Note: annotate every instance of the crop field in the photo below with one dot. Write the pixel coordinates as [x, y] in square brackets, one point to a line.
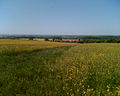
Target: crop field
[41, 68]
[16, 46]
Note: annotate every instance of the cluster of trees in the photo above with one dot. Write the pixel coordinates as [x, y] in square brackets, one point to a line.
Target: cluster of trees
[99, 37]
[90, 40]
[53, 39]
[46, 39]
[99, 41]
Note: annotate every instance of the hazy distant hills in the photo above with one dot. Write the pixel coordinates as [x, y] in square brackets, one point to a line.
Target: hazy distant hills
[99, 37]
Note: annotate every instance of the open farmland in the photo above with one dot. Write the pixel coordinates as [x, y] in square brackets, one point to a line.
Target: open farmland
[59, 69]
[16, 46]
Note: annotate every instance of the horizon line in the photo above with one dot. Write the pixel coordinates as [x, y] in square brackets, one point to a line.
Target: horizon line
[64, 34]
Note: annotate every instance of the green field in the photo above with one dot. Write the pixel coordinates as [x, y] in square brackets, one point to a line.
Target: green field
[39, 68]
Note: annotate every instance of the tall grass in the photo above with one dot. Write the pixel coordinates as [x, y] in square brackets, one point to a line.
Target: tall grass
[12, 47]
[90, 70]
[39, 69]
[28, 74]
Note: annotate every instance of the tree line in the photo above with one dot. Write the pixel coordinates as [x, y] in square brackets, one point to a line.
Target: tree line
[99, 41]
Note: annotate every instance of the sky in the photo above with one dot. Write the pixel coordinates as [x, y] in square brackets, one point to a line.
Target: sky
[60, 17]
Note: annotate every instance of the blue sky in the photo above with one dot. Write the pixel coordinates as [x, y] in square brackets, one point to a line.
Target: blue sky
[60, 17]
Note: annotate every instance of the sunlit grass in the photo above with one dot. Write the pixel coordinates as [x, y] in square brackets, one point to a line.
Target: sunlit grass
[11, 45]
[90, 70]
[68, 70]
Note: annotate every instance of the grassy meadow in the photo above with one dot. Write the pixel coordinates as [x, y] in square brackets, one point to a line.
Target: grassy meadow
[12, 46]
[41, 68]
